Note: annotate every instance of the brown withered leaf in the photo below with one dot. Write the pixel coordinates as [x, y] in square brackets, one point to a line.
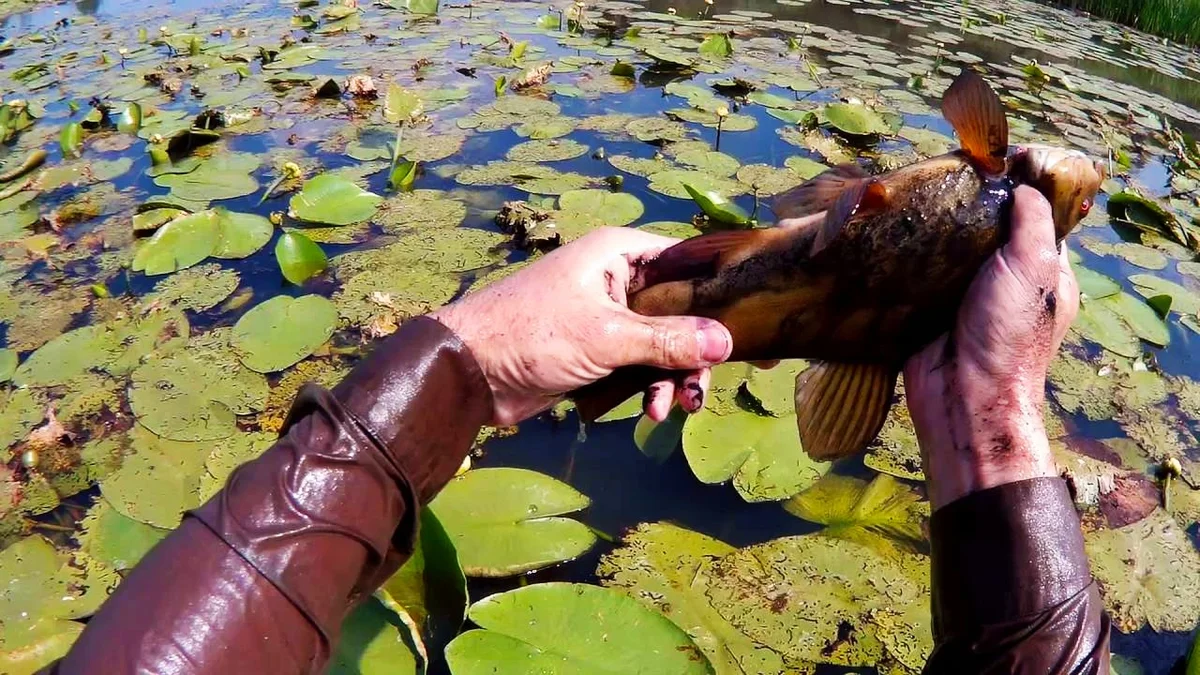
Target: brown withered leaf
[49, 435]
[532, 77]
[361, 86]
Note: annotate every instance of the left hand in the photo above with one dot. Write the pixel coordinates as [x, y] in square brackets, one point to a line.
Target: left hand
[564, 322]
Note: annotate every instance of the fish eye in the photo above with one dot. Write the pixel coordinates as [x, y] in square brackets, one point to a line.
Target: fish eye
[1085, 207]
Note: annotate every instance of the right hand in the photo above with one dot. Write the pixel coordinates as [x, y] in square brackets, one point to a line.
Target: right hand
[977, 394]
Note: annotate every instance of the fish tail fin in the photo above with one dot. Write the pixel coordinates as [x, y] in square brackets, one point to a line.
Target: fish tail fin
[977, 115]
[840, 407]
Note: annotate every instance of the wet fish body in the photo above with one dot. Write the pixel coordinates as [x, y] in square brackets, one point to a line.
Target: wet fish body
[862, 271]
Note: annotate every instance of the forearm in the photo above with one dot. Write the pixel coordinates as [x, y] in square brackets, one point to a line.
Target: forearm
[271, 565]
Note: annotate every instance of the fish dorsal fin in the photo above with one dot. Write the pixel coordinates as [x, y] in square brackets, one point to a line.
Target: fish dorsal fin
[819, 193]
[860, 197]
[697, 257]
[840, 407]
[977, 114]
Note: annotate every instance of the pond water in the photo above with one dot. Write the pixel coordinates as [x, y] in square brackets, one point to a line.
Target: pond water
[1121, 398]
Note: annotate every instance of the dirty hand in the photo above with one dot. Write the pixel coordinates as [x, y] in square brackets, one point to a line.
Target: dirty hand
[563, 322]
[976, 394]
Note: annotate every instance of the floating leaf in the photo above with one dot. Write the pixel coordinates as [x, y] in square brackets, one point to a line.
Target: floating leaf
[1149, 573]
[333, 200]
[1094, 285]
[506, 521]
[1147, 215]
[115, 539]
[1183, 300]
[546, 150]
[716, 206]
[862, 511]
[283, 331]
[71, 139]
[658, 440]
[571, 628]
[621, 69]
[612, 208]
[185, 241]
[431, 586]
[8, 364]
[195, 394]
[197, 288]
[665, 567]
[299, 258]
[224, 176]
[422, 6]
[717, 45]
[130, 120]
[855, 119]
[401, 105]
[372, 639]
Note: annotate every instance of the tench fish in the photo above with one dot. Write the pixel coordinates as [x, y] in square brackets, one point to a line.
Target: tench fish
[861, 272]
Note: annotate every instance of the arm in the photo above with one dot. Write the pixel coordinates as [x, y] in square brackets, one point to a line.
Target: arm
[1012, 592]
[271, 565]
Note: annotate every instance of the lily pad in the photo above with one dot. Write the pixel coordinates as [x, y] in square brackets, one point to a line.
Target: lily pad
[1183, 300]
[333, 200]
[508, 521]
[862, 511]
[283, 331]
[195, 394]
[768, 180]
[855, 119]
[431, 586]
[197, 288]
[659, 440]
[559, 628]
[805, 167]
[665, 567]
[117, 540]
[926, 142]
[671, 183]
[549, 150]
[373, 639]
[185, 241]
[420, 209]
[858, 607]
[8, 364]
[612, 208]
[1149, 573]
[761, 454]
[224, 176]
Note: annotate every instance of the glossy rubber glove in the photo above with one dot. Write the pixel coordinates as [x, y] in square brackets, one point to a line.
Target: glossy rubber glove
[563, 322]
[976, 394]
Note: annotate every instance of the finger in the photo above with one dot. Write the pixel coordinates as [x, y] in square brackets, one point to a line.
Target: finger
[656, 402]
[1068, 298]
[1032, 239]
[693, 389]
[670, 342]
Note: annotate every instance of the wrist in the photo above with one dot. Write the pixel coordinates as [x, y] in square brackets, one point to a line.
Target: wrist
[975, 438]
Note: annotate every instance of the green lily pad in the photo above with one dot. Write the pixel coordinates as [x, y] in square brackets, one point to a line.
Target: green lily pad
[612, 208]
[197, 288]
[895, 451]
[159, 481]
[223, 176]
[862, 511]
[186, 241]
[805, 167]
[1149, 573]
[333, 200]
[560, 628]
[115, 539]
[639, 166]
[508, 521]
[761, 454]
[717, 45]
[373, 640]
[715, 163]
[401, 105]
[299, 257]
[768, 180]
[283, 331]
[195, 393]
[1093, 284]
[858, 607]
[543, 128]
[659, 440]
[431, 586]
[665, 567]
[673, 229]
[20, 410]
[8, 364]
[549, 150]
[652, 129]
[671, 183]
[855, 119]
[1183, 300]
[926, 142]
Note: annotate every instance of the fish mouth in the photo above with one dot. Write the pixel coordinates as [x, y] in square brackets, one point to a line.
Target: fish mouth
[1068, 179]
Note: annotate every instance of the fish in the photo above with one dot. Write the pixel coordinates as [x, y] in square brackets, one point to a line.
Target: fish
[861, 271]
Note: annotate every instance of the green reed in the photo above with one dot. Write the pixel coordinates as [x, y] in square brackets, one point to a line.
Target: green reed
[1175, 19]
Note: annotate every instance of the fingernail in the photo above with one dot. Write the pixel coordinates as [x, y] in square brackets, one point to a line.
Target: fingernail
[694, 395]
[715, 343]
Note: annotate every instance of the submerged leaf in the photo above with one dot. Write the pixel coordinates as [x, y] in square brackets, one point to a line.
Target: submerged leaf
[507, 521]
[861, 511]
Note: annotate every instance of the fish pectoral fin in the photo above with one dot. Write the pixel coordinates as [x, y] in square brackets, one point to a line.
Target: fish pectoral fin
[862, 197]
[977, 114]
[698, 257]
[840, 407]
[819, 193]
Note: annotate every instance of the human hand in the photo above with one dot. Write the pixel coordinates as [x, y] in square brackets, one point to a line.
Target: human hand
[976, 394]
[563, 323]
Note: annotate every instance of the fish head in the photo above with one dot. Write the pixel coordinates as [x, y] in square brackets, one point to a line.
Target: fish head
[1067, 178]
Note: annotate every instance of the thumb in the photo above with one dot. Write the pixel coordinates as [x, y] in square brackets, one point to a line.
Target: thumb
[674, 342]
[1032, 238]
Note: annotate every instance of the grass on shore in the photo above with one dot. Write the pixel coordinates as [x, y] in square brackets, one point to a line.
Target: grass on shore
[1175, 19]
